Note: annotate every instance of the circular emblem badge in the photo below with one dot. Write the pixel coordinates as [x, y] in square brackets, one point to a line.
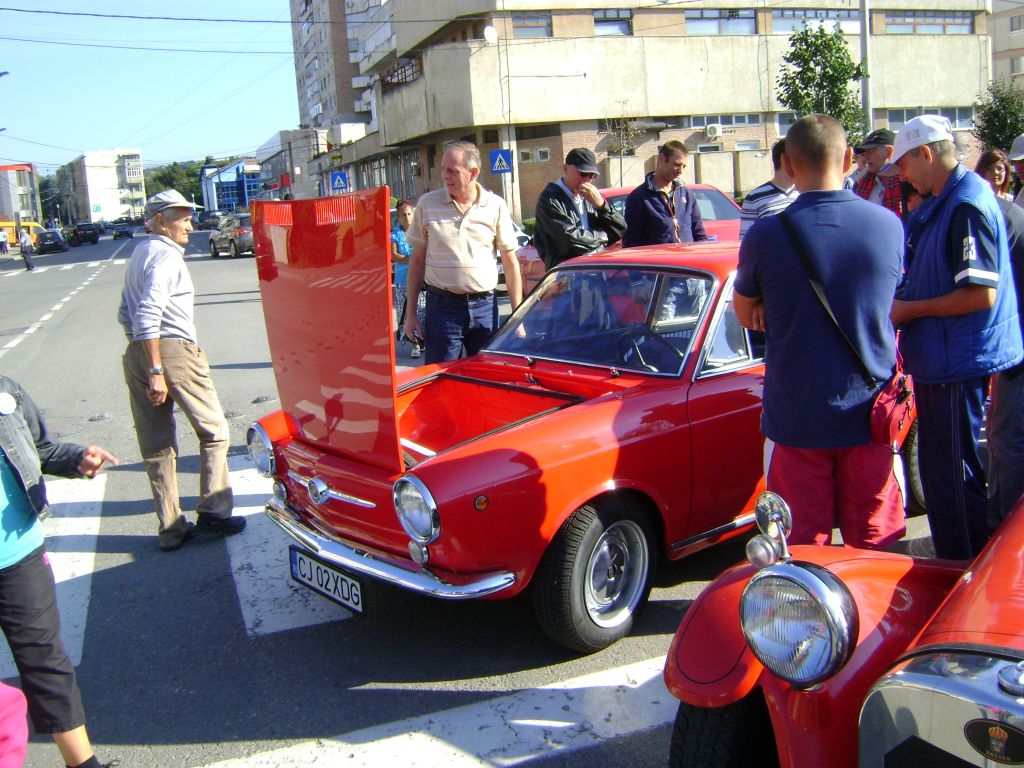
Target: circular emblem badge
[8, 404]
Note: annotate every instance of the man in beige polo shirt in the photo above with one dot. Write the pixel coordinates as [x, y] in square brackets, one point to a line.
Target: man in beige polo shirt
[454, 233]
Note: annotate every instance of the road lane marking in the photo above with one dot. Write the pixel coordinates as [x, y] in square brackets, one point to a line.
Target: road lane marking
[71, 532]
[526, 726]
[270, 601]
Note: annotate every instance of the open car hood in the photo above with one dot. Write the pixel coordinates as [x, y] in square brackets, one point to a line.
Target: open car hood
[324, 273]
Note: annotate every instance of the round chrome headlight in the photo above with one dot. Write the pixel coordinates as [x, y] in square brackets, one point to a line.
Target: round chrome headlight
[800, 621]
[416, 509]
[261, 450]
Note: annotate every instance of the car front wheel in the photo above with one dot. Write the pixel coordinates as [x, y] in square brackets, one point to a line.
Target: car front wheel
[912, 473]
[213, 250]
[733, 736]
[234, 250]
[595, 576]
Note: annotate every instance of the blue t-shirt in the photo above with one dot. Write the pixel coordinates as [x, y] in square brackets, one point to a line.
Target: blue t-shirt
[814, 394]
[404, 247]
[20, 531]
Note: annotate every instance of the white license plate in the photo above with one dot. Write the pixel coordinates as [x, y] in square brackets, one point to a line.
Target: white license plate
[325, 579]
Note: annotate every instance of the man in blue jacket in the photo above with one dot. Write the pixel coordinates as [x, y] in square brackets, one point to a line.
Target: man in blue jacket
[959, 319]
[662, 209]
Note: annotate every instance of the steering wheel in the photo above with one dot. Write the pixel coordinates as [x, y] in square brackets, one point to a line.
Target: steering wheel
[631, 338]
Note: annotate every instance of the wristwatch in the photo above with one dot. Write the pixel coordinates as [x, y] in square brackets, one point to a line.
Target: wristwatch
[156, 370]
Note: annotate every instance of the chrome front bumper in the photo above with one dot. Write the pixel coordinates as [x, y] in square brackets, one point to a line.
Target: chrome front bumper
[366, 563]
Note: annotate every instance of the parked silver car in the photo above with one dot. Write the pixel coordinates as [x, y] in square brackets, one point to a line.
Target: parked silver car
[233, 236]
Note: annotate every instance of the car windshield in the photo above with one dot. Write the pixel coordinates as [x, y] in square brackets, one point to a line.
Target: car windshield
[630, 319]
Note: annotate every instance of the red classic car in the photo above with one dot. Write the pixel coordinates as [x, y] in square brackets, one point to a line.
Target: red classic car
[613, 420]
[833, 656]
[721, 221]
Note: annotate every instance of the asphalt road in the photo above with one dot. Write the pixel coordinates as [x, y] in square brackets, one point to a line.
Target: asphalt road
[210, 654]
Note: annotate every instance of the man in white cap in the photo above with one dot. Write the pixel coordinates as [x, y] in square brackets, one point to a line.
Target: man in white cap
[164, 366]
[1016, 158]
[959, 319]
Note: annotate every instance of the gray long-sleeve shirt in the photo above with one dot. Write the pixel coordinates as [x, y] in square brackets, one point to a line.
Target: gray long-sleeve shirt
[157, 299]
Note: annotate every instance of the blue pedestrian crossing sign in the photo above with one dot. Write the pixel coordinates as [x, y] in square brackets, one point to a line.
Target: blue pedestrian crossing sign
[339, 182]
[501, 161]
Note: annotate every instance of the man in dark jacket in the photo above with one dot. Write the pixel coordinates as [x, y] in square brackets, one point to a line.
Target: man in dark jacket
[572, 217]
[662, 210]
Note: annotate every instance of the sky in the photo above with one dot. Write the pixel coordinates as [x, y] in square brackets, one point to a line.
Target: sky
[80, 83]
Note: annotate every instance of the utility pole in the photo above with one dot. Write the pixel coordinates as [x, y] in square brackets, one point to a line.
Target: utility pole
[865, 59]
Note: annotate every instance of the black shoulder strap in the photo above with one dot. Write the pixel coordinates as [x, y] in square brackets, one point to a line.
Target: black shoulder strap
[819, 291]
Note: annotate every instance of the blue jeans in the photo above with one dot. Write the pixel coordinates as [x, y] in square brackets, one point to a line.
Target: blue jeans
[949, 418]
[457, 325]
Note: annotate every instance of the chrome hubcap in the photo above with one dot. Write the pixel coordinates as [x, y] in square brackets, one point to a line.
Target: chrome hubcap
[616, 574]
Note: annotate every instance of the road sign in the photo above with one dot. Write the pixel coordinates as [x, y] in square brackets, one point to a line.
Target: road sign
[501, 161]
[339, 182]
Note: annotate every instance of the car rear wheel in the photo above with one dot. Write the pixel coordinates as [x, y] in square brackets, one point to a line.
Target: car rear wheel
[595, 576]
[213, 250]
[912, 473]
[234, 250]
[733, 736]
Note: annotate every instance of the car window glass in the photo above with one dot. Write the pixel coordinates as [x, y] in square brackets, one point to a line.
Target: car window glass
[714, 206]
[732, 345]
[634, 319]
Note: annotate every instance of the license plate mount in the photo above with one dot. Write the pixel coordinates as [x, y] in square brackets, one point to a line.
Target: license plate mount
[325, 579]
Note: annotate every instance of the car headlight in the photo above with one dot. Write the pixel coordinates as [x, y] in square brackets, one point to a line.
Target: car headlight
[416, 509]
[261, 450]
[800, 621]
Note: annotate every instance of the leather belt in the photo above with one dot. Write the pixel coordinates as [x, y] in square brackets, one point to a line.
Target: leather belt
[461, 296]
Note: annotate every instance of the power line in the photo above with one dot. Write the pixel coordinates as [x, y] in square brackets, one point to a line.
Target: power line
[289, 53]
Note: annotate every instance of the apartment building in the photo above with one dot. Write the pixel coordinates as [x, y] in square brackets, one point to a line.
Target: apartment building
[624, 77]
[103, 185]
[19, 193]
[1007, 29]
[326, 81]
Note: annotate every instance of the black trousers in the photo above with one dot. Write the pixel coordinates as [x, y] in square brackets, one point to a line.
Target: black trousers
[31, 623]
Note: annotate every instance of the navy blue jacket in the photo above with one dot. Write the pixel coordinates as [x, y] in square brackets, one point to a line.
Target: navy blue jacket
[649, 220]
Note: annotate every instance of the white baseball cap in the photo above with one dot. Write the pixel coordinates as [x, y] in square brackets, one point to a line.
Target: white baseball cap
[169, 198]
[920, 131]
[1017, 150]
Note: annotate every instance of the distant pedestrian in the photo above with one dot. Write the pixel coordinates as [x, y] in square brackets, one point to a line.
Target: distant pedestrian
[3, 241]
[454, 234]
[662, 210]
[29, 615]
[572, 218]
[820, 455]
[773, 196]
[994, 168]
[164, 366]
[27, 249]
[959, 325]
[401, 250]
[874, 186]
[858, 169]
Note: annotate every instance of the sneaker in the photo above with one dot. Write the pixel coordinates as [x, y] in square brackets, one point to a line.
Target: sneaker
[190, 533]
[415, 351]
[224, 526]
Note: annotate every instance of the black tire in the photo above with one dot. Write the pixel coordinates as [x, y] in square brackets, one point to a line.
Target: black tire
[595, 576]
[912, 473]
[734, 736]
[233, 249]
[213, 249]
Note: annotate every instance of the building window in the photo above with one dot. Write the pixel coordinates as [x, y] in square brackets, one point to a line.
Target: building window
[712, 21]
[316, 109]
[709, 147]
[526, 132]
[490, 136]
[785, 121]
[746, 118]
[929, 22]
[1017, 22]
[542, 155]
[959, 117]
[615, 21]
[531, 24]
[525, 156]
[1016, 65]
[789, 21]
[747, 145]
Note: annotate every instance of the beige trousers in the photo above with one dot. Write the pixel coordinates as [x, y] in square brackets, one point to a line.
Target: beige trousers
[190, 387]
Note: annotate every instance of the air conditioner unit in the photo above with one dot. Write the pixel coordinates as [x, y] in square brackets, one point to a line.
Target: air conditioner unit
[713, 131]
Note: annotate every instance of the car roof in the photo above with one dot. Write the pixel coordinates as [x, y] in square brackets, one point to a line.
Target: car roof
[718, 258]
[617, 191]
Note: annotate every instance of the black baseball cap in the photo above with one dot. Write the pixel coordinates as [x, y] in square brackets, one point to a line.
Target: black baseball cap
[583, 160]
[883, 137]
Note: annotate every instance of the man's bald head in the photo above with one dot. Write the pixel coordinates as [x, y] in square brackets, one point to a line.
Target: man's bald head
[817, 142]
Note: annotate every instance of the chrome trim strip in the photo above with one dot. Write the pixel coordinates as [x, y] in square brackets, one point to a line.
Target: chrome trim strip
[331, 493]
[417, 447]
[740, 522]
[365, 563]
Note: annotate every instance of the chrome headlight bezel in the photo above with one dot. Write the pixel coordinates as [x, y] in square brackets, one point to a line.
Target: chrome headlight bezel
[826, 596]
[427, 527]
[261, 450]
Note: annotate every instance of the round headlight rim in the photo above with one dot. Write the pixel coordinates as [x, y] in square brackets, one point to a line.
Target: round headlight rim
[268, 445]
[428, 499]
[836, 604]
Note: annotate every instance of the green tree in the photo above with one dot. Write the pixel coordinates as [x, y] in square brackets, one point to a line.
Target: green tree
[816, 77]
[183, 177]
[999, 115]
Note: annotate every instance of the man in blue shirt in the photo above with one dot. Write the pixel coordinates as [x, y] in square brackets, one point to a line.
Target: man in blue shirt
[959, 321]
[662, 210]
[820, 456]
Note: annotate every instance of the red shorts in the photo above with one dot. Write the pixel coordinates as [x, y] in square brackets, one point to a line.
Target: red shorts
[853, 489]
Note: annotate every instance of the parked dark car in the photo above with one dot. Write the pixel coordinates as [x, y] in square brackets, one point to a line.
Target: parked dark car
[124, 230]
[84, 232]
[51, 241]
[209, 219]
[234, 236]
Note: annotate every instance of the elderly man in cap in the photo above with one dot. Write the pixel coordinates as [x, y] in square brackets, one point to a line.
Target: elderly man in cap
[163, 366]
[873, 186]
[572, 217]
[959, 319]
